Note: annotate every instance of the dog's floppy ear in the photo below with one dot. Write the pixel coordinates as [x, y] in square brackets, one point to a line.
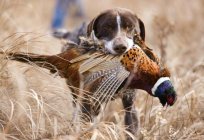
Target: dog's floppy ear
[92, 24]
[90, 27]
[142, 29]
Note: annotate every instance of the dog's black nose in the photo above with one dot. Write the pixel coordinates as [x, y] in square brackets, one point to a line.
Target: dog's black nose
[120, 48]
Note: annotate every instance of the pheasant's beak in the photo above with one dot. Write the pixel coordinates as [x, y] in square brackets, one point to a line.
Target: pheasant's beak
[165, 92]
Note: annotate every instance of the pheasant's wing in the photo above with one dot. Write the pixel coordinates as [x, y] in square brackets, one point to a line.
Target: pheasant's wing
[105, 68]
[106, 74]
[110, 84]
[91, 63]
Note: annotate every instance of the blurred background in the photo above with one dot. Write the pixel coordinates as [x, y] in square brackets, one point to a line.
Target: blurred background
[37, 105]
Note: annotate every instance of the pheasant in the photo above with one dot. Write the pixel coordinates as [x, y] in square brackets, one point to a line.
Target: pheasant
[104, 77]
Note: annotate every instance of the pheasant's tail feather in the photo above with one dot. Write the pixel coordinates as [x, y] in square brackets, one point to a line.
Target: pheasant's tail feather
[30, 58]
[85, 57]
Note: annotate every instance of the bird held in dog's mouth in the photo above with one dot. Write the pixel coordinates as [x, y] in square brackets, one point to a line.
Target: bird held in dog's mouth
[138, 68]
[146, 72]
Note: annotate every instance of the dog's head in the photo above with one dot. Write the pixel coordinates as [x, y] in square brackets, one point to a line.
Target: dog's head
[116, 28]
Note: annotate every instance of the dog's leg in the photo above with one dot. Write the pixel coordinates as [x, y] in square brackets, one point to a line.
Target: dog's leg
[131, 120]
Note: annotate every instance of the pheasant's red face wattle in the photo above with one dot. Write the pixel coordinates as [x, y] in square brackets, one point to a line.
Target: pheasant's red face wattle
[170, 100]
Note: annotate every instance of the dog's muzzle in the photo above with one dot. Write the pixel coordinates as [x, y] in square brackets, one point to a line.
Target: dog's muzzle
[120, 48]
[121, 45]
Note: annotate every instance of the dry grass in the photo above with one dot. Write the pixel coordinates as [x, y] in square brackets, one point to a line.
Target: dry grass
[37, 105]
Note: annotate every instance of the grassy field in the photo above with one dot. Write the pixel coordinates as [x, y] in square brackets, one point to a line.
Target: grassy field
[37, 105]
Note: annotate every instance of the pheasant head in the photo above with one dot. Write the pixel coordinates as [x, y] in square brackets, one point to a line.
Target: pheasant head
[149, 75]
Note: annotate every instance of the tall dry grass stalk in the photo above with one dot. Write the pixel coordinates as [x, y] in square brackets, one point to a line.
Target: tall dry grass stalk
[37, 105]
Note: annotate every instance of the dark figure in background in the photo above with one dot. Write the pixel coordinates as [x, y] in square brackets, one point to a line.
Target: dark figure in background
[61, 12]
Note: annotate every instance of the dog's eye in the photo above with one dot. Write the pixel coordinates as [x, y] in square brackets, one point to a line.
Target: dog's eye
[129, 28]
[130, 31]
[106, 29]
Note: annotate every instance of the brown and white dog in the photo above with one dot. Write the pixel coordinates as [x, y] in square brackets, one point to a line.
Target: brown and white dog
[116, 27]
